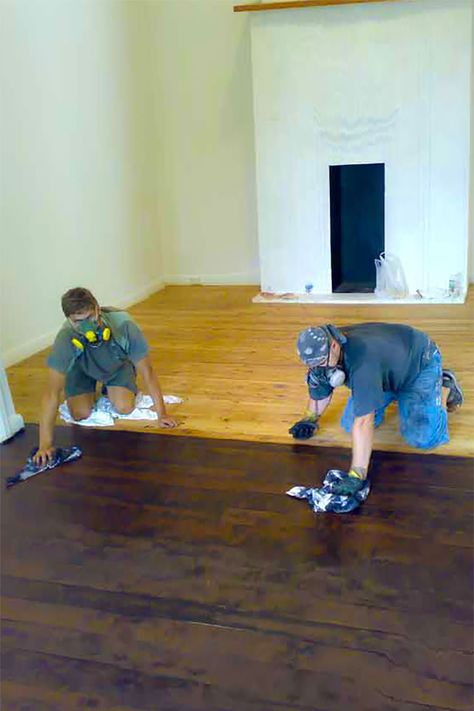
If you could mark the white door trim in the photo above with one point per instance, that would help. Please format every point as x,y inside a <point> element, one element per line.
<point>10,421</point>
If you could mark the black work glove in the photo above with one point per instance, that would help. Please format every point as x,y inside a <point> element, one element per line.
<point>347,485</point>
<point>304,429</point>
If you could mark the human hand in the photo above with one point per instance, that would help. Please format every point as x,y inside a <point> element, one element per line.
<point>167,422</point>
<point>43,455</point>
<point>304,429</point>
<point>346,483</point>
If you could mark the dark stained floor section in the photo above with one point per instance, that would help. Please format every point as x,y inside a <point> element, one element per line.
<point>174,574</point>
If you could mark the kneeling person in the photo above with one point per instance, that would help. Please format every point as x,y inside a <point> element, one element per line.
<point>380,363</point>
<point>95,345</point>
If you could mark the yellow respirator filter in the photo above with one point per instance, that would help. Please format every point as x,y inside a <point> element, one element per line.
<point>92,337</point>
<point>76,342</point>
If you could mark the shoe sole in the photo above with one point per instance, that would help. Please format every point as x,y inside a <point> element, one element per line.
<point>456,387</point>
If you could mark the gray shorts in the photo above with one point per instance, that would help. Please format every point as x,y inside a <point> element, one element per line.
<point>79,383</point>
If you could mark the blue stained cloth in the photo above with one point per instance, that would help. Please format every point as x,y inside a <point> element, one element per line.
<point>327,499</point>
<point>423,419</point>
<point>61,456</point>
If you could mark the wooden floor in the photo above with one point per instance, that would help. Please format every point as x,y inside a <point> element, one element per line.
<point>235,364</point>
<point>165,573</point>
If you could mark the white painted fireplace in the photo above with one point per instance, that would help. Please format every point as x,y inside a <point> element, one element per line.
<point>354,84</point>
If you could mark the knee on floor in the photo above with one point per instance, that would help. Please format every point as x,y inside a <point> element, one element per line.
<point>124,407</point>
<point>426,438</point>
<point>80,412</point>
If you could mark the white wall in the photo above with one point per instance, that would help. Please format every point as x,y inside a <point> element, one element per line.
<point>207,168</point>
<point>370,83</point>
<point>127,155</point>
<point>78,172</point>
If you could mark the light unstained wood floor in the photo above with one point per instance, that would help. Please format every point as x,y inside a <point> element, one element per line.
<point>235,364</point>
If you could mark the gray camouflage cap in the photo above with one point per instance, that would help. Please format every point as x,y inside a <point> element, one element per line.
<point>313,345</point>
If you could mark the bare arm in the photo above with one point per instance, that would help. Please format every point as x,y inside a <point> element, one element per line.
<point>145,369</point>
<point>49,408</point>
<point>315,408</point>
<point>362,443</point>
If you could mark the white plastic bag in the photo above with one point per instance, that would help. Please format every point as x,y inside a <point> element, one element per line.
<point>389,277</point>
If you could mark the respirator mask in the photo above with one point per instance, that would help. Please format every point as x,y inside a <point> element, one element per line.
<point>313,348</point>
<point>90,332</point>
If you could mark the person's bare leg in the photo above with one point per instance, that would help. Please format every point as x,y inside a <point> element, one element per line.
<point>444,397</point>
<point>80,406</point>
<point>121,398</point>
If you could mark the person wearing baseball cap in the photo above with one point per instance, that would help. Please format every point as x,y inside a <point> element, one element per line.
<point>379,363</point>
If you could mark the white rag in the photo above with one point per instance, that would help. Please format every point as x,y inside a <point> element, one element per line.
<point>103,413</point>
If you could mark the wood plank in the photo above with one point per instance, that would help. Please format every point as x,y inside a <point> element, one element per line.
<point>262,654</point>
<point>235,365</point>
<point>174,573</point>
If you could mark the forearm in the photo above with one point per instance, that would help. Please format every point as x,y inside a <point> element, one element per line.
<point>49,407</point>
<point>317,407</point>
<point>153,387</point>
<point>362,443</point>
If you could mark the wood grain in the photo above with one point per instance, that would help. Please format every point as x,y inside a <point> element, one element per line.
<point>173,573</point>
<point>235,364</point>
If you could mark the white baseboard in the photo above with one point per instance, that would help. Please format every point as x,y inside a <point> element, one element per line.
<point>10,421</point>
<point>134,297</point>
<point>236,279</point>
<point>25,350</point>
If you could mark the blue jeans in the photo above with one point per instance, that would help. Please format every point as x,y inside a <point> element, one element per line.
<point>423,419</point>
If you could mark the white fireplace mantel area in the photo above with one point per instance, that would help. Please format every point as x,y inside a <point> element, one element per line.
<point>363,83</point>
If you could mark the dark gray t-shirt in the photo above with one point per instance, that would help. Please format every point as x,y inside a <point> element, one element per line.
<point>378,358</point>
<point>126,344</point>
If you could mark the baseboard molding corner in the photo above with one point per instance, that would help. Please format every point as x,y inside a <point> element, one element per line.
<point>134,297</point>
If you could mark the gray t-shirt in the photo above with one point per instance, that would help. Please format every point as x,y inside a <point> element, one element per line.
<point>127,343</point>
<point>378,358</point>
